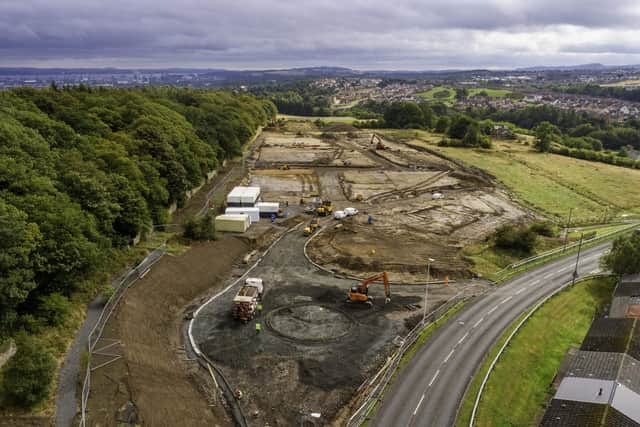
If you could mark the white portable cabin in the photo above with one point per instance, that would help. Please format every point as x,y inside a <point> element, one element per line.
<point>254,213</point>
<point>243,196</point>
<point>250,195</point>
<point>268,208</point>
<point>233,223</point>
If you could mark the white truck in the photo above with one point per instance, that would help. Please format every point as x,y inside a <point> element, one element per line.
<point>246,301</point>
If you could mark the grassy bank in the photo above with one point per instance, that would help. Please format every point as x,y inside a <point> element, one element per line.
<point>553,184</point>
<point>535,353</point>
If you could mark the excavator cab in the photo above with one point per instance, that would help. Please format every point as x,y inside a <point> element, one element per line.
<point>360,293</point>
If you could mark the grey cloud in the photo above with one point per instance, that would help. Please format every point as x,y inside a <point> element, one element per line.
<point>359,33</point>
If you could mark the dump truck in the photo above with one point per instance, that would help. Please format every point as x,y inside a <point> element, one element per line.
<point>245,303</point>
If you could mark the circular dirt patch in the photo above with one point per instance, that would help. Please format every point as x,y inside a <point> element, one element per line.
<point>309,323</point>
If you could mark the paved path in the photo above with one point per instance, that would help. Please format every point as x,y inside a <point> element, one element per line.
<point>429,390</point>
<point>66,402</point>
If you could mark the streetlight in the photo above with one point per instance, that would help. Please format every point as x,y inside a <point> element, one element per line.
<point>566,231</point>
<point>426,289</point>
<point>575,271</point>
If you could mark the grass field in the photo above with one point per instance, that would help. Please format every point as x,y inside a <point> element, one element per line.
<point>327,119</point>
<point>448,95</point>
<point>535,353</point>
<point>623,83</point>
<point>554,184</point>
<point>439,93</point>
<point>493,93</point>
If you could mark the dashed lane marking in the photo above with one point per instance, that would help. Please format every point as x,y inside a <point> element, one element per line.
<point>446,359</point>
<point>463,338</point>
<point>419,403</point>
<point>434,377</point>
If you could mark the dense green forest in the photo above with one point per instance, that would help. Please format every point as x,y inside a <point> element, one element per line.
<point>84,170</point>
<point>300,98</point>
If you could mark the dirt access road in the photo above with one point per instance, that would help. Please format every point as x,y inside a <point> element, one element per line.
<point>312,343</point>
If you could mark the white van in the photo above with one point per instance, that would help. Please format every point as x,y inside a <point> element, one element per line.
<point>351,211</point>
<point>339,214</point>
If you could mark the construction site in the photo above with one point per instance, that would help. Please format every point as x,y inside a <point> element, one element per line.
<point>318,314</point>
<point>404,194</point>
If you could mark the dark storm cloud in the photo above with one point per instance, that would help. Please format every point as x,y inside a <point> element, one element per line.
<point>360,33</point>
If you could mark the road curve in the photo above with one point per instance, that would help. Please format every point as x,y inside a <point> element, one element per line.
<point>428,391</point>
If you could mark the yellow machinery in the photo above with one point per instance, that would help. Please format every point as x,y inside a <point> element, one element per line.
<point>284,167</point>
<point>325,209</point>
<point>311,228</point>
<point>360,293</point>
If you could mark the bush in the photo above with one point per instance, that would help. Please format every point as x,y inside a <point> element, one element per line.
<point>546,229</point>
<point>54,309</point>
<point>521,239</point>
<point>200,229</point>
<point>29,374</point>
<point>624,257</point>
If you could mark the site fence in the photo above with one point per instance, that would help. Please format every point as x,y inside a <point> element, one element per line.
<point>96,333</point>
<point>377,385</point>
<point>516,267</point>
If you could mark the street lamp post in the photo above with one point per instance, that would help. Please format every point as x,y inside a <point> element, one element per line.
<point>426,290</point>
<point>575,271</point>
<point>566,231</point>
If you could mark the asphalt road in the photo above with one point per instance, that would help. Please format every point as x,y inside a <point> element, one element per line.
<point>428,391</point>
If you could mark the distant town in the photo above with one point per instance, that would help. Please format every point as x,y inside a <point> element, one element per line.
<point>509,89</point>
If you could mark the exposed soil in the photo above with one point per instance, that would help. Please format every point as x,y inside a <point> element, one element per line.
<point>314,349</point>
<point>153,372</point>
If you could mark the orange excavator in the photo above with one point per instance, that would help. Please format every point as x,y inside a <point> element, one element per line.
<point>379,144</point>
<point>360,293</point>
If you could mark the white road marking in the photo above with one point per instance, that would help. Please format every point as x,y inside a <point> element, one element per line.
<point>419,403</point>
<point>475,325</point>
<point>446,359</point>
<point>434,377</point>
<point>520,291</point>
<point>505,300</point>
<point>547,276</point>
<point>535,282</point>
<point>463,338</point>
<point>564,269</point>
<point>492,310</point>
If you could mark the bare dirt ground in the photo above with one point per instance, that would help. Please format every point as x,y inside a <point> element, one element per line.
<point>153,372</point>
<point>314,349</point>
<point>396,186</point>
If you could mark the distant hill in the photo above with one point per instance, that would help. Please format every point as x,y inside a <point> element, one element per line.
<point>581,67</point>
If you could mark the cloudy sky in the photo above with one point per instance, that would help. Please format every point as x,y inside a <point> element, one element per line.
<point>362,34</point>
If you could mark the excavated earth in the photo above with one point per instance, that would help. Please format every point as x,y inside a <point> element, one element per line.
<point>314,349</point>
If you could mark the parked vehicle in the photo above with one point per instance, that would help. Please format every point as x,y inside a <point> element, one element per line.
<point>339,214</point>
<point>351,211</point>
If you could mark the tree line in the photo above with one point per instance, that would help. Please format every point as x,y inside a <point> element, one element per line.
<point>85,170</point>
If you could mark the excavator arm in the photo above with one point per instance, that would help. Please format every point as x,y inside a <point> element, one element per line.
<point>360,293</point>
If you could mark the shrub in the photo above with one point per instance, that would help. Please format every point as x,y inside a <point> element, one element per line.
<point>29,374</point>
<point>521,239</point>
<point>546,229</point>
<point>200,229</point>
<point>54,309</point>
